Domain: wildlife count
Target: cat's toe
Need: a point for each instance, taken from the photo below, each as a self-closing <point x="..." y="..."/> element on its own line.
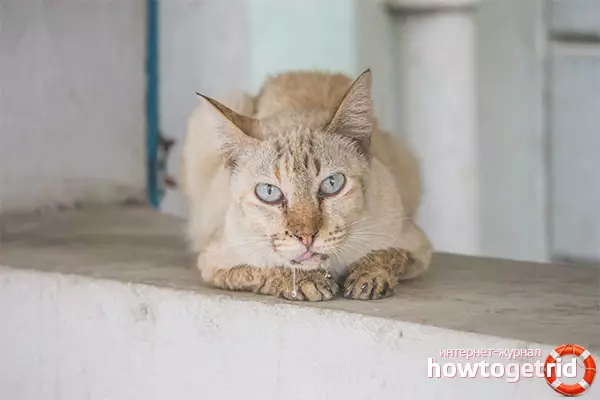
<point x="315" y="286"/>
<point x="367" y="286"/>
<point x="326" y="286"/>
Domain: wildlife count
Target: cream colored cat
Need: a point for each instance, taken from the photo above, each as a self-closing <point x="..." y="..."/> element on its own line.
<point x="299" y="182"/>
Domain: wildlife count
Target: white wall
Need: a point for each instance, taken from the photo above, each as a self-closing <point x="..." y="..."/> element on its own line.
<point x="513" y="194"/>
<point x="72" y="124"/>
<point x="288" y="35"/>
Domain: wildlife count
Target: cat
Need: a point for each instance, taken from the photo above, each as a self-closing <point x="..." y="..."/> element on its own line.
<point x="297" y="193"/>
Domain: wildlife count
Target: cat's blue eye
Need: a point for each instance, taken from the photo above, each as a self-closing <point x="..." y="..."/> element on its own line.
<point x="269" y="194"/>
<point x="332" y="185"/>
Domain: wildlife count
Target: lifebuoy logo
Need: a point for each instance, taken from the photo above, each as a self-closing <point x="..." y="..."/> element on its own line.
<point x="552" y="369"/>
<point x="561" y="369"/>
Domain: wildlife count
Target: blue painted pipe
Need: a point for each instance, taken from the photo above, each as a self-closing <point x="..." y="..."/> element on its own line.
<point x="152" y="103"/>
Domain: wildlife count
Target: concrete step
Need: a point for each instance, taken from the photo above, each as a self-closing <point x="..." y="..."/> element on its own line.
<point x="106" y="304"/>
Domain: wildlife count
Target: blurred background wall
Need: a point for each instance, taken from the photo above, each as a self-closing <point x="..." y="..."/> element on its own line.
<point x="500" y="99"/>
<point x="72" y="88"/>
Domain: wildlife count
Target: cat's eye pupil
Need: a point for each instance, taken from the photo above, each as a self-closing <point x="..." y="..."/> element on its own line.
<point x="332" y="185"/>
<point x="268" y="193"/>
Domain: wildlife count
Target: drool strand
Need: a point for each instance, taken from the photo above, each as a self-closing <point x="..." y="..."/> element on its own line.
<point x="294" y="292"/>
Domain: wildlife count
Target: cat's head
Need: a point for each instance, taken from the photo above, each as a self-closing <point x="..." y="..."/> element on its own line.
<point x="299" y="180"/>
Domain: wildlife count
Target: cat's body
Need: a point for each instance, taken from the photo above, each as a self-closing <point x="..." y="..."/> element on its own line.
<point x="338" y="195"/>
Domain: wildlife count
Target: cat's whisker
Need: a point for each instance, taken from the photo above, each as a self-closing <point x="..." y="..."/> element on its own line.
<point x="370" y="232"/>
<point x="352" y="249"/>
<point x="381" y="239"/>
<point x="376" y="225"/>
<point x="387" y="219"/>
<point x="380" y="216"/>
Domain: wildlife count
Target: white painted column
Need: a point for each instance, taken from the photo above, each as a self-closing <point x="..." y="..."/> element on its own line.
<point x="435" y="83"/>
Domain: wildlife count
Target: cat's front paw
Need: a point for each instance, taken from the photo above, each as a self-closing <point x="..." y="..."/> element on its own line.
<point x="311" y="285"/>
<point x="376" y="275"/>
<point x="368" y="284"/>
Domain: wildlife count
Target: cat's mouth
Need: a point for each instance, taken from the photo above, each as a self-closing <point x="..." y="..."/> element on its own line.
<point x="309" y="255"/>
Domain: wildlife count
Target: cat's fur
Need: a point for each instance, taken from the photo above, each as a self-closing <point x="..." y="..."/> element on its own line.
<point x="301" y="128"/>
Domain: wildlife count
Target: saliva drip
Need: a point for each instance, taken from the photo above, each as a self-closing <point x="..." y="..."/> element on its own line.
<point x="294" y="292"/>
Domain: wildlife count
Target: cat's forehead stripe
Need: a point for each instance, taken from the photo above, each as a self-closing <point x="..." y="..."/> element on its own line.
<point x="317" y="165"/>
<point x="277" y="174"/>
<point x="295" y="156"/>
<point x="297" y="162"/>
<point x="287" y="168"/>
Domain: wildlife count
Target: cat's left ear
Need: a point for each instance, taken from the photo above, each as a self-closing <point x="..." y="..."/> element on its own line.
<point x="354" y="116"/>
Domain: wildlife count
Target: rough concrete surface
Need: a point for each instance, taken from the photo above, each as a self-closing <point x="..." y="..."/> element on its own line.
<point x="148" y="328"/>
<point x="543" y="303"/>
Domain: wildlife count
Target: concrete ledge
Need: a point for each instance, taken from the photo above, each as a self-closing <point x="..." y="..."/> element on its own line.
<point x="103" y="304"/>
<point x="430" y="5"/>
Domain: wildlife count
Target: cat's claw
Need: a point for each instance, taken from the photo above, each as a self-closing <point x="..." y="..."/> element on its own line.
<point x="312" y="286"/>
<point x="367" y="286"/>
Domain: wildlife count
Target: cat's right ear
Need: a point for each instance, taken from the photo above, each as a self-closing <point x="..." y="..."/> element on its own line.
<point x="235" y="131"/>
<point x="354" y="115"/>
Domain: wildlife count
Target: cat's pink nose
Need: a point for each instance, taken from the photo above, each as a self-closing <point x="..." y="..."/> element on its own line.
<point x="307" y="239"/>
